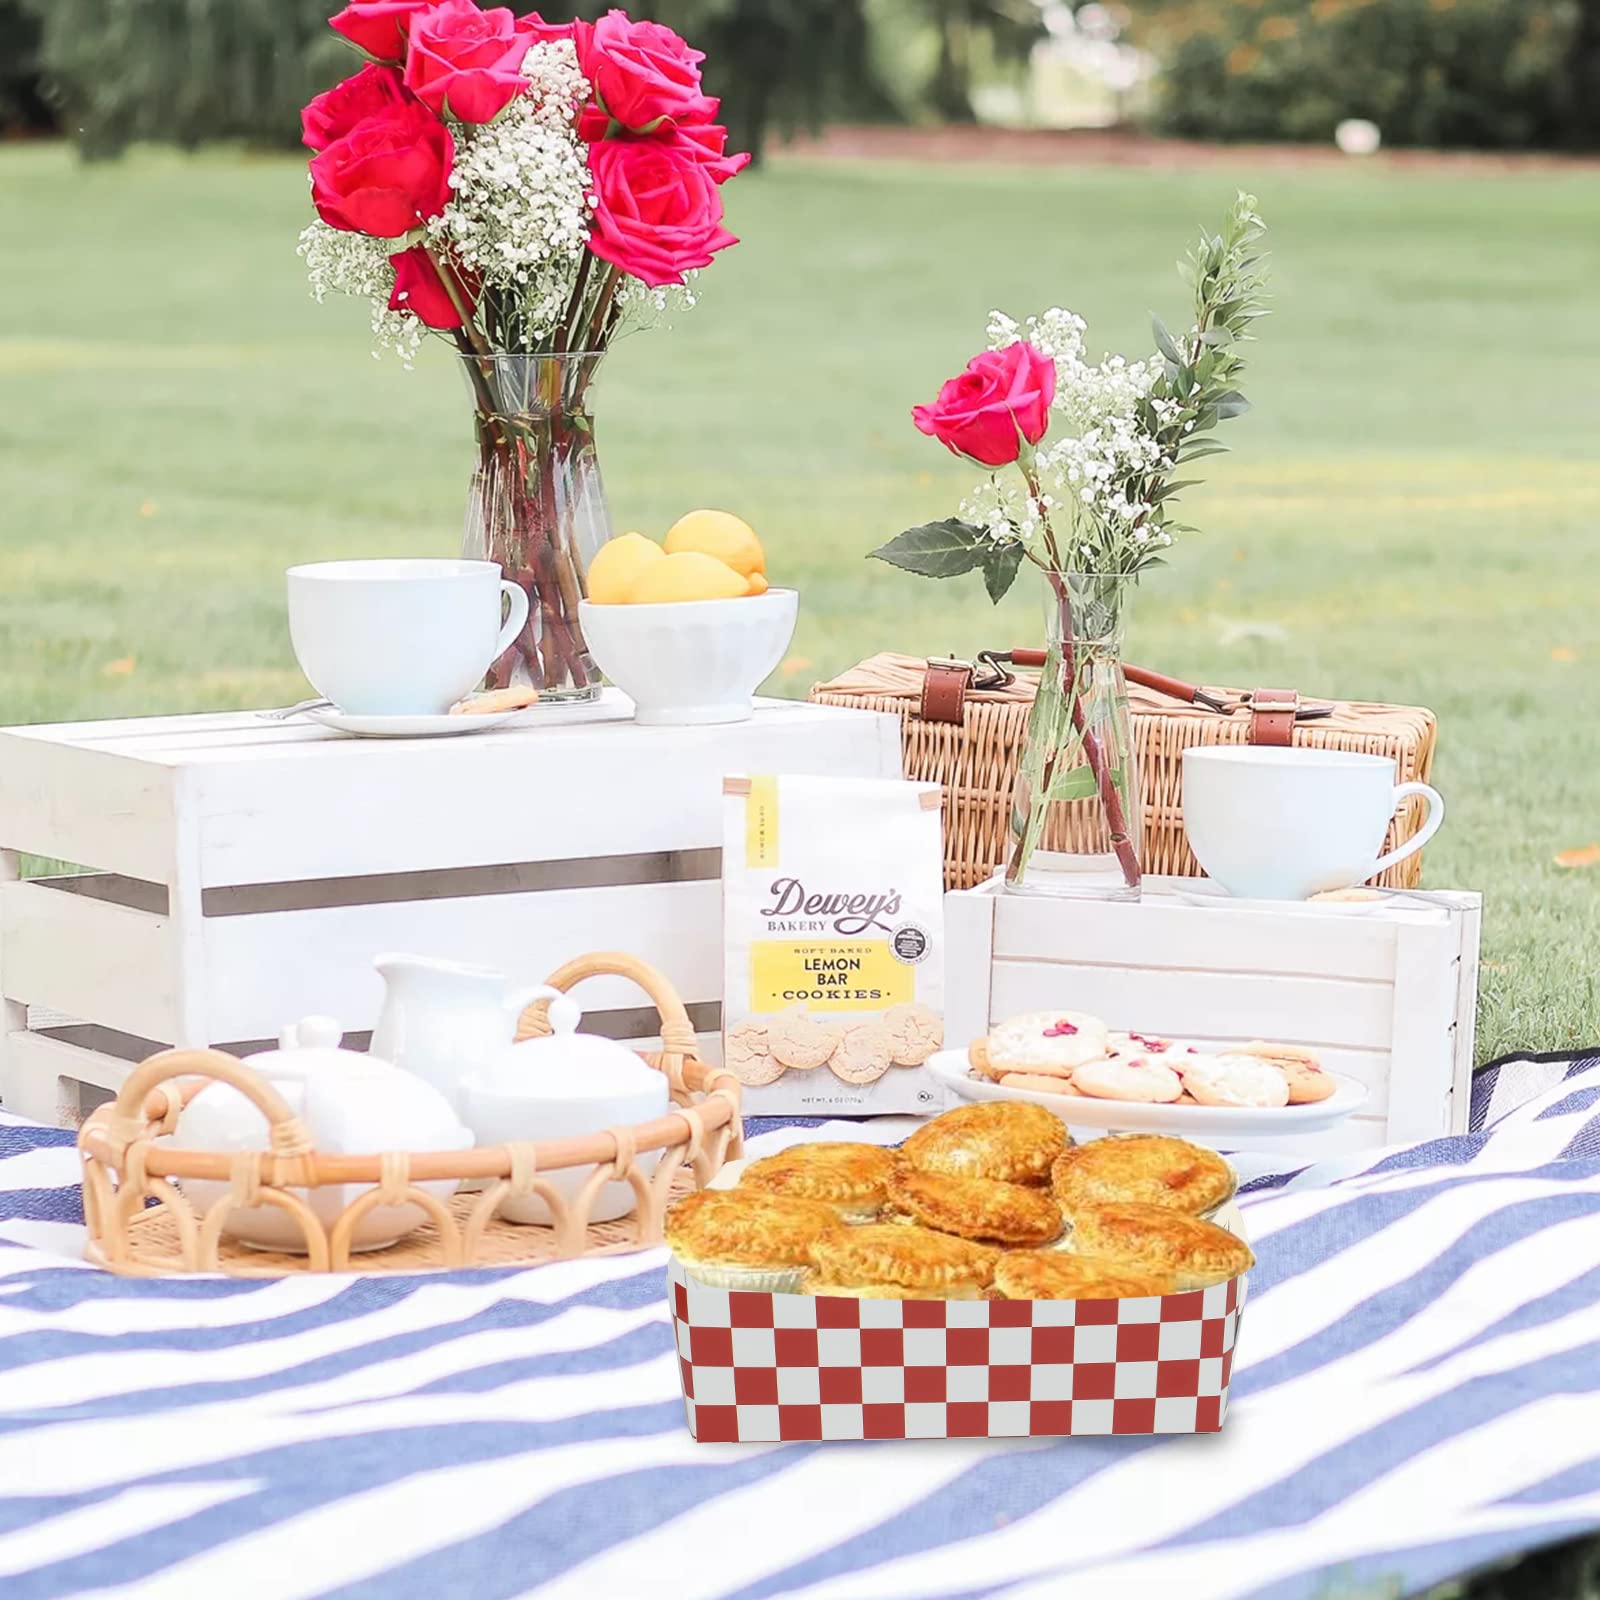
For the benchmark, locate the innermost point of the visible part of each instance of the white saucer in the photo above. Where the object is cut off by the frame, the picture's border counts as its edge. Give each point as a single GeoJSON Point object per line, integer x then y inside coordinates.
{"type": "Point", "coordinates": [1206, 1123]}
{"type": "Point", "coordinates": [413, 727]}
{"type": "Point", "coordinates": [1207, 892]}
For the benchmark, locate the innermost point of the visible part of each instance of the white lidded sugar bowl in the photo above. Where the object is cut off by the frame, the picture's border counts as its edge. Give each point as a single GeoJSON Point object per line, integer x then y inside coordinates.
{"type": "Point", "coordinates": [350, 1104]}
{"type": "Point", "coordinates": [564, 1086]}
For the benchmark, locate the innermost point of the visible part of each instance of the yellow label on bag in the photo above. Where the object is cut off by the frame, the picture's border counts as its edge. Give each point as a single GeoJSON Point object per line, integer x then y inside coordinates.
{"type": "Point", "coordinates": [761, 823]}
{"type": "Point", "coordinates": [827, 975]}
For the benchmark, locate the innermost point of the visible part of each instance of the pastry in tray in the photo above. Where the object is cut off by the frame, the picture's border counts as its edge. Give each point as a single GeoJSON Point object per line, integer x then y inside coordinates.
{"type": "Point", "coordinates": [851, 1176]}
{"type": "Point", "coordinates": [1158, 1239]}
{"type": "Point", "coordinates": [735, 1239]}
{"type": "Point", "coordinates": [1006, 1140]}
{"type": "Point", "coordinates": [904, 1256]}
{"type": "Point", "coordinates": [976, 1208]}
{"type": "Point", "coordinates": [1152, 1168]}
{"type": "Point", "coordinates": [1055, 1275]}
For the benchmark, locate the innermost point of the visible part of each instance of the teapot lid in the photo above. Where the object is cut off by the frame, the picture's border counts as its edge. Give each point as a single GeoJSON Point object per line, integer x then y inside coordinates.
{"type": "Point", "coordinates": [312, 1045]}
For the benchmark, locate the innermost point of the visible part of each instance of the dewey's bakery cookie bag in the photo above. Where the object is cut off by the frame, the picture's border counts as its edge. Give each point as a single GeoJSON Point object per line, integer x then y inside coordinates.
{"type": "Point", "coordinates": [833, 915]}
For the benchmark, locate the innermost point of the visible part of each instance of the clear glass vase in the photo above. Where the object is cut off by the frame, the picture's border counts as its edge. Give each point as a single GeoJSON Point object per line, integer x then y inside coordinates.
{"type": "Point", "coordinates": [1076, 815]}
{"type": "Point", "coordinates": [537, 506]}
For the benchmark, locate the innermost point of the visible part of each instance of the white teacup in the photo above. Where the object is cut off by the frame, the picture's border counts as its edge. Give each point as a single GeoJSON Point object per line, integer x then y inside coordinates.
{"type": "Point", "coordinates": [1285, 824]}
{"type": "Point", "coordinates": [399, 638]}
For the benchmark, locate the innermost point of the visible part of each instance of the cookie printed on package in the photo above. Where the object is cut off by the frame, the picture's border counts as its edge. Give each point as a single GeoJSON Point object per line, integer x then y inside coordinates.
{"type": "Point", "coordinates": [833, 915]}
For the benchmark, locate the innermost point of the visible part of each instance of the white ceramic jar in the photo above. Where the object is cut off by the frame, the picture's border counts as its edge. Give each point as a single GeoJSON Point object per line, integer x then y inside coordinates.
{"type": "Point", "coordinates": [564, 1086]}
{"type": "Point", "coordinates": [351, 1104]}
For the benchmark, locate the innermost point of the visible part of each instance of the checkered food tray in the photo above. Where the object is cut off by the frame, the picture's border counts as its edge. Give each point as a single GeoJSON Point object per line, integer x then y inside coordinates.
{"type": "Point", "coordinates": [763, 1367]}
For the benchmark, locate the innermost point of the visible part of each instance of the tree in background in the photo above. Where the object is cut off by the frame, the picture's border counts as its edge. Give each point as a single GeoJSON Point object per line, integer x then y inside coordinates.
{"type": "Point", "coordinates": [1006, 29]}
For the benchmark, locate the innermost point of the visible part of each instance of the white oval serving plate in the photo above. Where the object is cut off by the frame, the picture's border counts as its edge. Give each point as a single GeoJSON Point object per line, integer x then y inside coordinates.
{"type": "Point", "coordinates": [953, 1070]}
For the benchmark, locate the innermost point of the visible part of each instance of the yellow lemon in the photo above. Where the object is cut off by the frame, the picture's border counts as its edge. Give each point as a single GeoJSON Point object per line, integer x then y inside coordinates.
{"type": "Point", "coordinates": [758, 583]}
{"type": "Point", "coordinates": [687, 575]}
{"type": "Point", "coordinates": [619, 564]}
{"type": "Point", "coordinates": [721, 534]}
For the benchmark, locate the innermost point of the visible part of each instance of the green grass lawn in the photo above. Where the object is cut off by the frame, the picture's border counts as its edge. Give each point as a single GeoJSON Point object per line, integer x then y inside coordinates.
{"type": "Point", "coordinates": [1412, 512]}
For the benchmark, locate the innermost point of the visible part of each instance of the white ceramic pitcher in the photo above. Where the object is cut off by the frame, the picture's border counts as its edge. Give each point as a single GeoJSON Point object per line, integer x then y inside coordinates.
{"type": "Point", "coordinates": [441, 1019]}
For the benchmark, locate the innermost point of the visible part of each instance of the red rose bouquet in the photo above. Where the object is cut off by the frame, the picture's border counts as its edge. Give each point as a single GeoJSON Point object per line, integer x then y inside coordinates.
{"type": "Point", "coordinates": [524, 190]}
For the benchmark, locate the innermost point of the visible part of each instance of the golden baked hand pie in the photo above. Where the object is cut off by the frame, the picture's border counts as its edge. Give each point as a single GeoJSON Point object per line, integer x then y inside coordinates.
{"type": "Point", "coordinates": [1152, 1168]}
{"type": "Point", "coordinates": [976, 1208]}
{"type": "Point", "coordinates": [735, 1239]}
{"type": "Point", "coordinates": [935, 1264]}
{"type": "Point", "coordinates": [1004, 1139]}
{"type": "Point", "coordinates": [1055, 1275]}
{"type": "Point", "coordinates": [851, 1176]}
{"type": "Point", "coordinates": [1159, 1239]}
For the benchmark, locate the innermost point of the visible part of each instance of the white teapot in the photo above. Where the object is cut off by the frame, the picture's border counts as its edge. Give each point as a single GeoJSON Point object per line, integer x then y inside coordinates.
{"type": "Point", "coordinates": [564, 1086]}
{"type": "Point", "coordinates": [351, 1104]}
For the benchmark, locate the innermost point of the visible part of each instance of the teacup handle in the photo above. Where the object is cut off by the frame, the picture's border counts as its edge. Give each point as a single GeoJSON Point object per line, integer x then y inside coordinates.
{"type": "Point", "coordinates": [1430, 824]}
{"type": "Point", "coordinates": [515, 618]}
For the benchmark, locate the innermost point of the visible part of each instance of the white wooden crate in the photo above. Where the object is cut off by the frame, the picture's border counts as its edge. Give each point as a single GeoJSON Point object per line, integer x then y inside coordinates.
{"type": "Point", "coordinates": [1388, 996]}
{"type": "Point", "coordinates": [246, 872]}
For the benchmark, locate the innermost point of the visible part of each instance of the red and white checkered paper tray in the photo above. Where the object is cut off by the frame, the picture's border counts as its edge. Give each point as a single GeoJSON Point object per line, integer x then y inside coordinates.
{"type": "Point", "coordinates": [764, 1367]}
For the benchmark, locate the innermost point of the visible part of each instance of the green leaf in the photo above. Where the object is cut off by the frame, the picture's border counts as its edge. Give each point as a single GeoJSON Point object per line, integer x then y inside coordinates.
{"type": "Point", "coordinates": [1167, 489]}
{"type": "Point", "coordinates": [936, 549]}
{"type": "Point", "coordinates": [1077, 783]}
{"type": "Point", "coordinates": [1231, 404]}
{"type": "Point", "coordinates": [1164, 341]}
{"type": "Point", "coordinates": [1196, 448]}
{"type": "Point", "coordinates": [1000, 563]}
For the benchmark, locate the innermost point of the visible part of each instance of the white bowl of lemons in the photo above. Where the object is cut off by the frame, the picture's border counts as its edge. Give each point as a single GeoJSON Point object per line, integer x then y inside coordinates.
{"type": "Point", "coordinates": [688, 628]}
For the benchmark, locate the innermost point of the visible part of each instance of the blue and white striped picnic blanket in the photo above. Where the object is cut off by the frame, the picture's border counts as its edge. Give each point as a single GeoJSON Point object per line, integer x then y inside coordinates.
{"type": "Point", "coordinates": [1417, 1392]}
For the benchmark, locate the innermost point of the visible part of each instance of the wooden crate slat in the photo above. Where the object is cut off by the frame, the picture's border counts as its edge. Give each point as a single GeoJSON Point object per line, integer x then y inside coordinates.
{"type": "Point", "coordinates": [89, 958]}
{"type": "Point", "coordinates": [1330, 1011]}
{"type": "Point", "coordinates": [267, 970]}
{"type": "Point", "coordinates": [1165, 932]}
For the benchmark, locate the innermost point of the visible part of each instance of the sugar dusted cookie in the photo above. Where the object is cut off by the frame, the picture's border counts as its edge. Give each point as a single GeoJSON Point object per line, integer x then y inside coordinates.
{"type": "Point", "coordinates": [915, 1033]}
{"type": "Point", "coordinates": [1137, 1078]}
{"type": "Point", "coordinates": [862, 1054]}
{"type": "Point", "coordinates": [1300, 1067]}
{"type": "Point", "coordinates": [1047, 1041]}
{"type": "Point", "coordinates": [1037, 1083]}
{"type": "Point", "coordinates": [1235, 1080]}
{"type": "Point", "coordinates": [801, 1041]}
{"type": "Point", "coordinates": [746, 1055]}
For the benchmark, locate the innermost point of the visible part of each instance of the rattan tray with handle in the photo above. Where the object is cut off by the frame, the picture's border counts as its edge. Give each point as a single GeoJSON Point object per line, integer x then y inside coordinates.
{"type": "Point", "coordinates": [141, 1224]}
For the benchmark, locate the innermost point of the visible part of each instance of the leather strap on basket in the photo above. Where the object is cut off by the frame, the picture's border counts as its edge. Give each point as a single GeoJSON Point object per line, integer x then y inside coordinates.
{"type": "Point", "coordinates": [947, 681]}
{"type": "Point", "coordinates": [944, 690]}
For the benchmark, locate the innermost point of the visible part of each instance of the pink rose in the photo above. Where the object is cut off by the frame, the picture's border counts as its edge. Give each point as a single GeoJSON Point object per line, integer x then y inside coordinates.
{"type": "Point", "coordinates": [657, 213]}
{"type": "Point", "coordinates": [466, 61]}
{"type": "Point", "coordinates": [332, 115]}
{"type": "Point", "coordinates": [1002, 398]}
{"type": "Point", "coordinates": [641, 71]}
{"type": "Point", "coordinates": [378, 26]}
{"type": "Point", "coordinates": [702, 141]}
{"type": "Point", "coordinates": [544, 32]}
{"type": "Point", "coordinates": [390, 172]}
{"type": "Point", "coordinates": [419, 289]}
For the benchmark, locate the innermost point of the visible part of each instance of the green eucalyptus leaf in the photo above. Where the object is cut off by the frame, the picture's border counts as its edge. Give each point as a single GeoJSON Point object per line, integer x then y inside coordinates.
{"type": "Point", "coordinates": [1231, 404]}
{"type": "Point", "coordinates": [936, 549]}
{"type": "Point", "coordinates": [1165, 343]}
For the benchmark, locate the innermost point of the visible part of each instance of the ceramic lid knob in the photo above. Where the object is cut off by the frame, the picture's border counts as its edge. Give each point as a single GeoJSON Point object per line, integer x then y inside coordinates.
{"type": "Point", "coordinates": [311, 1033]}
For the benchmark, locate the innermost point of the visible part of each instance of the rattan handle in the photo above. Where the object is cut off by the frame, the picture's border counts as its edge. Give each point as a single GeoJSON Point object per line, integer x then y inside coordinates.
{"type": "Point", "coordinates": [677, 1032]}
{"type": "Point", "coordinates": [287, 1134]}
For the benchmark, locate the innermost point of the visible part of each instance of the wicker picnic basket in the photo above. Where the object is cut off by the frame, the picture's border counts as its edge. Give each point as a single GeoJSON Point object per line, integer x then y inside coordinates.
{"type": "Point", "coordinates": [141, 1224]}
{"type": "Point", "coordinates": [970, 739]}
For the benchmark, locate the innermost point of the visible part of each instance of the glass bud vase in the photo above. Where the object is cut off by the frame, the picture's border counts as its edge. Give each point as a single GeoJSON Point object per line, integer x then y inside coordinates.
{"type": "Point", "coordinates": [1076, 814]}
{"type": "Point", "coordinates": [537, 507]}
